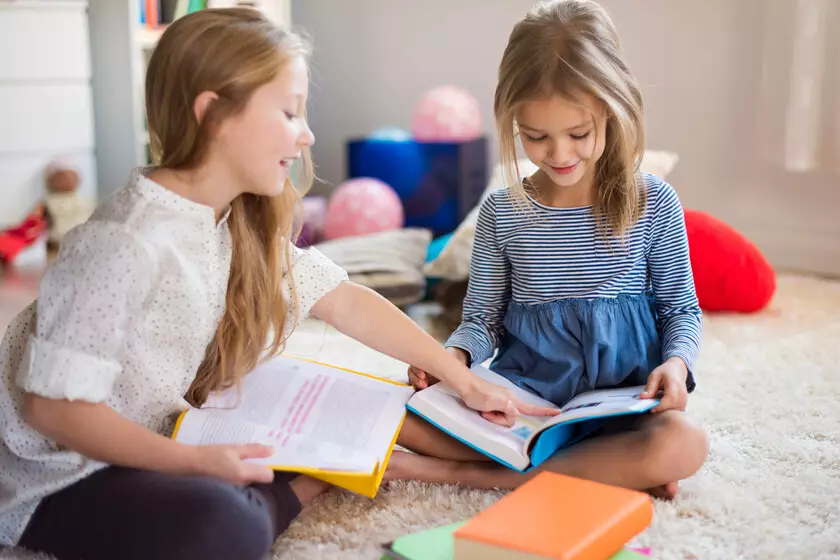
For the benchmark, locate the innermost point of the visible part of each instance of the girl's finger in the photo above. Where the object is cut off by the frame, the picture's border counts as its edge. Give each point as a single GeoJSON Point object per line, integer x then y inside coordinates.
{"type": "Point", "coordinates": [498, 418]}
{"type": "Point", "coordinates": [652, 386]}
{"type": "Point", "coordinates": [669, 399]}
{"type": "Point", "coordinates": [534, 410]}
{"type": "Point", "coordinates": [259, 473]}
{"type": "Point", "coordinates": [415, 380]}
{"type": "Point", "coordinates": [254, 451]}
{"type": "Point", "coordinates": [679, 394]}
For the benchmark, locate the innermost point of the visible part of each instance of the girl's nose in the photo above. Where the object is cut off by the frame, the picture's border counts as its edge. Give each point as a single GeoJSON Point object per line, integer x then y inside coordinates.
{"type": "Point", "coordinates": [307, 138]}
{"type": "Point", "coordinates": [561, 152]}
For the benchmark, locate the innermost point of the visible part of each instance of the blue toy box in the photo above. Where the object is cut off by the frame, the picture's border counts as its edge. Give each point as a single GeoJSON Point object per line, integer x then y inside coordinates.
{"type": "Point", "coordinates": [438, 182]}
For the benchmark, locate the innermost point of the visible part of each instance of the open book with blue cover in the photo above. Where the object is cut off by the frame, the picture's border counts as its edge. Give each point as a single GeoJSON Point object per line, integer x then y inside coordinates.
{"type": "Point", "coordinates": [531, 440]}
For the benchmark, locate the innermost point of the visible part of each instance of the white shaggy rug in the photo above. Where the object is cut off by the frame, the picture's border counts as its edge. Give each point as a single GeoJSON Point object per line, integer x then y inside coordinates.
{"type": "Point", "coordinates": [769, 393]}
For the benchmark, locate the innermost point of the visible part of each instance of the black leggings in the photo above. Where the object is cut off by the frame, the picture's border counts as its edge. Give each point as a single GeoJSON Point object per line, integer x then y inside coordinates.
{"type": "Point", "coordinates": [120, 513]}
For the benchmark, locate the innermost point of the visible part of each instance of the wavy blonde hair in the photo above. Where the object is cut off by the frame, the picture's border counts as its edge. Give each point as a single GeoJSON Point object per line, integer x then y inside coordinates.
{"type": "Point", "coordinates": [569, 48]}
{"type": "Point", "coordinates": [231, 52]}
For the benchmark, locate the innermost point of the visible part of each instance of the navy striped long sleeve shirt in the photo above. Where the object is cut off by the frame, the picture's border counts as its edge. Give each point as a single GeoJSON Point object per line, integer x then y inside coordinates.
{"type": "Point", "coordinates": [557, 253]}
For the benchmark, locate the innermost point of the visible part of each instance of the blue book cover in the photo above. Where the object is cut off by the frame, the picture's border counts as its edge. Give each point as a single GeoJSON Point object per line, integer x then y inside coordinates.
{"type": "Point", "coordinates": [531, 440]}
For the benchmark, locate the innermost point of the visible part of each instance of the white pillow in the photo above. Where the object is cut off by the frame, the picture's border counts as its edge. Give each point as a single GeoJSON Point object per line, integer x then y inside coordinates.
{"type": "Point", "coordinates": [453, 263]}
{"type": "Point", "coordinates": [389, 262]}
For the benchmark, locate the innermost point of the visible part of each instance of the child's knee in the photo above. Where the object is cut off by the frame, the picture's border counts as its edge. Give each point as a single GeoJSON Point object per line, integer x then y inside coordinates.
{"type": "Point", "coordinates": [679, 445]}
{"type": "Point", "coordinates": [226, 522]}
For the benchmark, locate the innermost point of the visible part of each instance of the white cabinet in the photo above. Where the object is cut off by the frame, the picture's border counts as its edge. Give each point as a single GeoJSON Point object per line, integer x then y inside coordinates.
{"type": "Point", "coordinates": [46, 101]}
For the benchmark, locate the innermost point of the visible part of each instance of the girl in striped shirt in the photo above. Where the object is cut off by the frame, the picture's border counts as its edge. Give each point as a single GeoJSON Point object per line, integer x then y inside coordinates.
{"type": "Point", "coordinates": [580, 276]}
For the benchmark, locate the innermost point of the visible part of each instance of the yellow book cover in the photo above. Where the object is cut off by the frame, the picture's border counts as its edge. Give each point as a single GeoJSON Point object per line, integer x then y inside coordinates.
{"type": "Point", "coordinates": [330, 423]}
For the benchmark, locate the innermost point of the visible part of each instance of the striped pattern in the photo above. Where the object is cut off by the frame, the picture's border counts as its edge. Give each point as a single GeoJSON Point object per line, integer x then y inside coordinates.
{"type": "Point", "coordinates": [556, 253]}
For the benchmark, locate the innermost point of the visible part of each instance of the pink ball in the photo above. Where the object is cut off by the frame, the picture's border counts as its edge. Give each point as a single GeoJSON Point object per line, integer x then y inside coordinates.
{"type": "Point", "coordinates": [446, 114]}
{"type": "Point", "coordinates": [361, 206]}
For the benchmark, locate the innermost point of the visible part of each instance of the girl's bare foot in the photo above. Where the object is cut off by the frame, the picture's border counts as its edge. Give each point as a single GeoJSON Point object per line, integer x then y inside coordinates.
{"type": "Point", "coordinates": [472, 474]}
{"type": "Point", "coordinates": [665, 492]}
{"type": "Point", "coordinates": [307, 488]}
{"type": "Point", "coordinates": [404, 465]}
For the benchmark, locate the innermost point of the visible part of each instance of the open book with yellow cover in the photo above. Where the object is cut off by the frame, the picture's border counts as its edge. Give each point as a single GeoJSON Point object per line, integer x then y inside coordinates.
{"type": "Point", "coordinates": [332, 424]}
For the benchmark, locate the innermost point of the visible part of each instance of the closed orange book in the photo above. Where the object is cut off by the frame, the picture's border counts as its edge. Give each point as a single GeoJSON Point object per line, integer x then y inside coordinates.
{"type": "Point", "coordinates": [556, 516]}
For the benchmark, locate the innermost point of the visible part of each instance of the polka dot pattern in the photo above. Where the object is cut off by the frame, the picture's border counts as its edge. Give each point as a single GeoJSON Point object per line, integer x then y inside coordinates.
{"type": "Point", "coordinates": [123, 317]}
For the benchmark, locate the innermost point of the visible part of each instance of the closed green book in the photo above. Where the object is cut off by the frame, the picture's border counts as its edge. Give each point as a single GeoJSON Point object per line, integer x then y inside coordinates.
{"type": "Point", "coordinates": [431, 544]}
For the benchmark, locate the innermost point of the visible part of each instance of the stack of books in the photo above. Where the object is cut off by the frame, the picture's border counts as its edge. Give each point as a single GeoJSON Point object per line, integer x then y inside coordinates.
{"type": "Point", "coordinates": [551, 516]}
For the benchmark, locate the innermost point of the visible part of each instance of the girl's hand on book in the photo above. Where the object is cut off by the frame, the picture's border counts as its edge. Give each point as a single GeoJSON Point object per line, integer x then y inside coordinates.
{"type": "Point", "coordinates": [669, 379]}
{"type": "Point", "coordinates": [227, 462]}
{"type": "Point", "coordinates": [499, 405]}
{"type": "Point", "coordinates": [420, 379]}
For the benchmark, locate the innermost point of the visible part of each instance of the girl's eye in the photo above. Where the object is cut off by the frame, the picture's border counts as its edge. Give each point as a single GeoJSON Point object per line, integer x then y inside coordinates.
{"type": "Point", "coordinates": [581, 136]}
{"type": "Point", "coordinates": [535, 139]}
{"type": "Point", "coordinates": [290, 116]}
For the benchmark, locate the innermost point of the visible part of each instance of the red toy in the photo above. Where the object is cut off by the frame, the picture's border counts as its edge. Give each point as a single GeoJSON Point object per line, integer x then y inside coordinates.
{"type": "Point", "coordinates": [18, 238]}
{"type": "Point", "coordinates": [730, 273]}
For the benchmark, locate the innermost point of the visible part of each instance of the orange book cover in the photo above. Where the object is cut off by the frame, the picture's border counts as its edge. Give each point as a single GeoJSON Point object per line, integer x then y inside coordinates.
{"type": "Point", "coordinates": [557, 516]}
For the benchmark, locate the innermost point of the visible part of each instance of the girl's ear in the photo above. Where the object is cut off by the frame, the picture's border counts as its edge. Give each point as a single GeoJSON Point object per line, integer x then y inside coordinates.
{"type": "Point", "coordinates": [202, 103]}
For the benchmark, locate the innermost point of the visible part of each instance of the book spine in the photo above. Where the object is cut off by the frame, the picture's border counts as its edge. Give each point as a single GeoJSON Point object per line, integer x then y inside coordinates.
{"type": "Point", "coordinates": [152, 13]}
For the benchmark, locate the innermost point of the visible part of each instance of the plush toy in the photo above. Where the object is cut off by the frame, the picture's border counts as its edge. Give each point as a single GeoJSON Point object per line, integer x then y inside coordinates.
{"type": "Point", "coordinates": [65, 207]}
{"type": "Point", "coordinates": [14, 240]}
{"type": "Point", "coordinates": [730, 273]}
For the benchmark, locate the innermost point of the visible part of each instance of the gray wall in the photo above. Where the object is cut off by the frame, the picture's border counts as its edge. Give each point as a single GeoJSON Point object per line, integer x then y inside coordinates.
{"type": "Point", "coordinates": [374, 58]}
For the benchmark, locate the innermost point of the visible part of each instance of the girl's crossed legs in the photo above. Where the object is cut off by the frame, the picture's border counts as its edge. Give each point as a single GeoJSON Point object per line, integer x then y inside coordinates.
{"type": "Point", "coordinates": [652, 452]}
{"type": "Point", "coordinates": [129, 513]}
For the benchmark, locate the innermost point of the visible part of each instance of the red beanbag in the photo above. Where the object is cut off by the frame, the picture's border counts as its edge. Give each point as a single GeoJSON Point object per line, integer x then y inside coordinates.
{"type": "Point", "coordinates": [730, 273]}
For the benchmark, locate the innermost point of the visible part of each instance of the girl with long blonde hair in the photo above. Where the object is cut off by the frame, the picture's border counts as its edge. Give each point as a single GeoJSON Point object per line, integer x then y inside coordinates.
{"type": "Point", "coordinates": [580, 276]}
{"type": "Point", "coordinates": [176, 287]}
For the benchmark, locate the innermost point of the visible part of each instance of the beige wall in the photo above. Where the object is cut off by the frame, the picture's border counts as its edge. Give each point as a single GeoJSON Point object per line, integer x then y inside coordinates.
{"type": "Point", "coordinates": [698, 62]}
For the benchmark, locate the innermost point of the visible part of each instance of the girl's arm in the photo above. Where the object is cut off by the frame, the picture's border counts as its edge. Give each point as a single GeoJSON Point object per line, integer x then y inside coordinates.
{"type": "Point", "coordinates": [672, 281]}
{"type": "Point", "coordinates": [364, 315]}
{"type": "Point", "coordinates": [488, 292]}
{"type": "Point", "coordinates": [100, 433]}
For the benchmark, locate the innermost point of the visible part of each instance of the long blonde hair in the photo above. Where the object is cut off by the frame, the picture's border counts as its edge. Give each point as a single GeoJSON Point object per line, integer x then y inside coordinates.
{"type": "Point", "coordinates": [569, 48]}
{"type": "Point", "coordinates": [231, 52]}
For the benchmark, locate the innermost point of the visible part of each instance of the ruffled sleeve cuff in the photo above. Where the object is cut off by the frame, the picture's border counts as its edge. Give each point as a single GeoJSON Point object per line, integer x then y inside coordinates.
{"type": "Point", "coordinates": [58, 372]}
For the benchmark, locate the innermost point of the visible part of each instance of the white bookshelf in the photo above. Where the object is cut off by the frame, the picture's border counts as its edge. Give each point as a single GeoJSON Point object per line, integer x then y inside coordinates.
{"type": "Point", "coordinates": [120, 49]}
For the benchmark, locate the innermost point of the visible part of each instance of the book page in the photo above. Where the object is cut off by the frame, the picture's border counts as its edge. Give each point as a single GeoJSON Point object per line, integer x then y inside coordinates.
{"type": "Point", "coordinates": [444, 407]}
{"type": "Point", "coordinates": [300, 399]}
{"type": "Point", "coordinates": [208, 427]}
{"type": "Point", "coordinates": [603, 402]}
